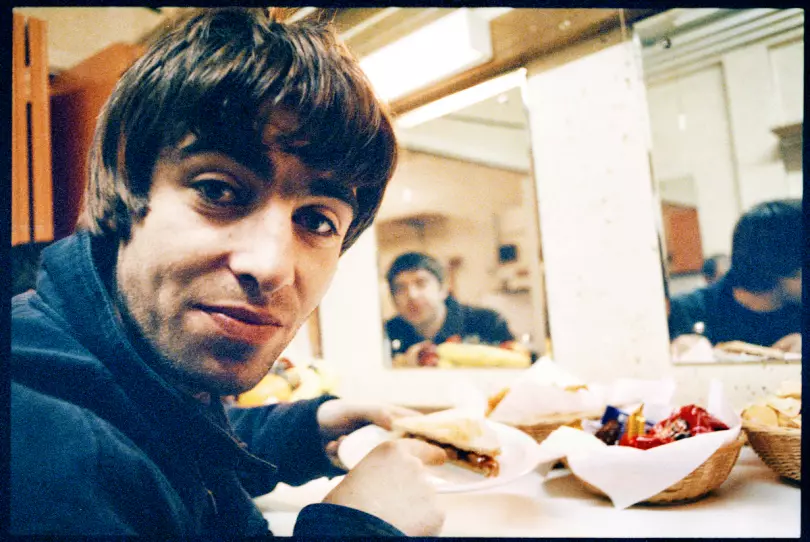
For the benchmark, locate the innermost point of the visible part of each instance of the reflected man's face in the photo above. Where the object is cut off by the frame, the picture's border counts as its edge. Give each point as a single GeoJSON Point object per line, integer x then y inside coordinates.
{"type": "Point", "coordinates": [418, 296]}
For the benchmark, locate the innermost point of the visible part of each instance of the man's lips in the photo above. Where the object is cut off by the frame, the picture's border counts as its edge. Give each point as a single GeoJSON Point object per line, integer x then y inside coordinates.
{"type": "Point", "coordinates": [243, 324]}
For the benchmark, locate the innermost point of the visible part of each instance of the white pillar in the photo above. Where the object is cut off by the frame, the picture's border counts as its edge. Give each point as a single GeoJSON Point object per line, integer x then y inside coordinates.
{"type": "Point", "coordinates": [590, 140]}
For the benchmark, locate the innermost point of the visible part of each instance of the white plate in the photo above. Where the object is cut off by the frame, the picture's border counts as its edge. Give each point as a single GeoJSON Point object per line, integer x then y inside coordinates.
{"type": "Point", "coordinates": [518, 456]}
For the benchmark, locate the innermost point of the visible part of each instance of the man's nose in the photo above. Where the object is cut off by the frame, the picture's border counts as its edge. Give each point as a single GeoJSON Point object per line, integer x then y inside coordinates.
{"type": "Point", "coordinates": [413, 291]}
{"type": "Point", "coordinates": [264, 255]}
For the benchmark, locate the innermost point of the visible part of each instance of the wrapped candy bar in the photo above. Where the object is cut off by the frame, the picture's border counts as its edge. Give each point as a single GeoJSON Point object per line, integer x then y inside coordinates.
{"type": "Point", "coordinates": [688, 421]}
{"type": "Point", "coordinates": [618, 424]}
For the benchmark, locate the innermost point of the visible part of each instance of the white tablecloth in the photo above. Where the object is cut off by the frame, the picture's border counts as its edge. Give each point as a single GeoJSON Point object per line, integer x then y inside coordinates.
{"type": "Point", "coordinates": [753, 502]}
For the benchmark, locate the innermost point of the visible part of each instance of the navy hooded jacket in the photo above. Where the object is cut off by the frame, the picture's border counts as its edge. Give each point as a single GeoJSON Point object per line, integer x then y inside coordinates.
{"type": "Point", "coordinates": [101, 444]}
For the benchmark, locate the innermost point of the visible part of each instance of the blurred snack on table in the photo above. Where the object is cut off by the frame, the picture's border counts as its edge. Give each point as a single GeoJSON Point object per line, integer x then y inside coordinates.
{"type": "Point", "coordinates": [454, 353]}
{"type": "Point", "coordinates": [773, 426]}
{"type": "Point", "coordinates": [287, 381]}
{"type": "Point", "coordinates": [270, 389]}
{"type": "Point", "coordinates": [484, 355]}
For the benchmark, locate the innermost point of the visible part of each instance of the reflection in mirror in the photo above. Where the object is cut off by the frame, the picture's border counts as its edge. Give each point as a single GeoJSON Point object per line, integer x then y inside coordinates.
{"type": "Point", "coordinates": [460, 276]}
{"type": "Point", "coordinates": [725, 94]}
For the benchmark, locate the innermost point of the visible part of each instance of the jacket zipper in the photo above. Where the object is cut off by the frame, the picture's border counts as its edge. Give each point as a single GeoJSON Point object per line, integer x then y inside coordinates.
{"type": "Point", "coordinates": [213, 501]}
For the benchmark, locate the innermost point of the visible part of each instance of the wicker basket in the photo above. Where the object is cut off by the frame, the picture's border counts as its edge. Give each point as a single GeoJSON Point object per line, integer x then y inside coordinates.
{"type": "Point", "coordinates": [779, 447]}
{"type": "Point", "coordinates": [707, 477]}
{"type": "Point", "coordinates": [543, 428]}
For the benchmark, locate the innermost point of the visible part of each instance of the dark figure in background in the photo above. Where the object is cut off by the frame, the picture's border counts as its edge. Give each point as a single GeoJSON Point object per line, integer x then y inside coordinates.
{"type": "Point", "coordinates": [427, 312]}
{"type": "Point", "coordinates": [759, 300]}
{"type": "Point", "coordinates": [715, 267]}
{"type": "Point", "coordinates": [233, 164]}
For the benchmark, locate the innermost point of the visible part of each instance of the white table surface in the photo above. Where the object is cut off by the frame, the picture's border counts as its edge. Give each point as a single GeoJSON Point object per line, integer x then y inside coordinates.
{"type": "Point", "coordinates": [753, 502]}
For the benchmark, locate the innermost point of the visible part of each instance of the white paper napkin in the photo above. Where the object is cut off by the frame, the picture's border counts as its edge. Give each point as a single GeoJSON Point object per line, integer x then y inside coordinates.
{"type": "Point", "coordinates": [539, 393]}
{"type": "Point", "coordinates": [629, 475]}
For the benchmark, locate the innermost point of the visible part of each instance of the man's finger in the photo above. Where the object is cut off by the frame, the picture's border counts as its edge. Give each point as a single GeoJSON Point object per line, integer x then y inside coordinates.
{"type": "Point", "coordinates": [426, 453]}
{"type": "Point", "coordinates": [385, 416]}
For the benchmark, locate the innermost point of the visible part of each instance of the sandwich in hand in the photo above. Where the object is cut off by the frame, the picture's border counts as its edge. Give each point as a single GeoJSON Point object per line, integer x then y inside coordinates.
{"type": "Point", "coordinates": [469, 442]}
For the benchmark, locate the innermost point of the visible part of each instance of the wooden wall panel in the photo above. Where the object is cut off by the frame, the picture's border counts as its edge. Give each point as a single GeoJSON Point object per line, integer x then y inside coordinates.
{"type": "Point", "coordinates": [32, 186]}
{"type": "Point", "coordinates": [41, 132]}
{"type": "Point", "coordinates": [20, 193]}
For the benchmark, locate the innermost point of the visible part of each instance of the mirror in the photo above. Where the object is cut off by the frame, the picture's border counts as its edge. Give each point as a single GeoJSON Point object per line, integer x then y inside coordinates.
{"type": "Point", "coordinates": [725, 95]}
{"type": "Point", "coordinates": [462, 204]}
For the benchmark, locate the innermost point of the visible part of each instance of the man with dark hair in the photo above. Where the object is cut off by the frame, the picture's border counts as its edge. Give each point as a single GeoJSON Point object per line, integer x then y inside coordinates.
{"type": "Point", "coordinates": [427, 312]}
{"type": "Point", "coordinates": [759, 300]}
{"type": "Point", "coordinates": [233, 164]}
{"type": "Point", "coordinates": [715, 267]}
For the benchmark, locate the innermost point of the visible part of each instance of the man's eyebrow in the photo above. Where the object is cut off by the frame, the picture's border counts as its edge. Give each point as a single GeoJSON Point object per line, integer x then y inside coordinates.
{"type": "Point", "coordinates": [335, 189]}
{"type": "Point", "coordinates": [254, 161]}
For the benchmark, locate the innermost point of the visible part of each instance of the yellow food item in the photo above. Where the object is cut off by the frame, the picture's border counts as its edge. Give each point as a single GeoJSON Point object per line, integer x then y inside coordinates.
{"type": "Point", "coordinates": [270, 389]}
{"type": "Point", "coordinates": [760, 414]}
{"type": "Point", "coordinates": [576, 387]}
{"type": "Point", "coordinates": [788, 406]}
{"type": "Point", "coordinates": [495, 400]}
{"type": "Point", "coordinates": [310, 387]}
{"type": "Point", "coordinates": [787, 421]}
{"type": "Point", "coordinates": [790, 388]}
{"type": "Point", "coordinates": [782, 410]}
{"type": "Point", "coordinates": [482, 355]}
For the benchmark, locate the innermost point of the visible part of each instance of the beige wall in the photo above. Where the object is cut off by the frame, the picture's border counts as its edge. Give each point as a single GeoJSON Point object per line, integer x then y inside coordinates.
{"type": "Point", "coordinates": [712, 141]}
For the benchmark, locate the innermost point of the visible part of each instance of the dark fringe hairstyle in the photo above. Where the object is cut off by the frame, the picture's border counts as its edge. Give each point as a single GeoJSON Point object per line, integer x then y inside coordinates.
{"type": "Point", "coordinates": [414, 260]}
{"type": "Point", "coordinates": [219, 75]}
{"type": "Point", "coordinates": [767, 245]}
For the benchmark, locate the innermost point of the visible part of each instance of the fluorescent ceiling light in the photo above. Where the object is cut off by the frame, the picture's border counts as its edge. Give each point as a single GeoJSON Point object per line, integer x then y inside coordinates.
{"type": "Point", "coordinates": [448, 46]}
{"type": "Point", "coordinates": [460, 100]}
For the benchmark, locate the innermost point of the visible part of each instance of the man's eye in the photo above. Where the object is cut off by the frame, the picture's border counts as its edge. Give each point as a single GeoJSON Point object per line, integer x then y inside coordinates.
{"type": "Point", "coordinates": [219, 192]}
{"type": "Point", "coordinates": [316, 222]}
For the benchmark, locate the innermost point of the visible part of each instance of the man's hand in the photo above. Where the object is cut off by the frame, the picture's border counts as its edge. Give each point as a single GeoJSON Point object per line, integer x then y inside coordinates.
{"type": "Point", "coordinates": [790, 343]}
{"type": "Point", "coordinates": [339, 417]}
{"type": "Point", "coordinates": [391, 483]}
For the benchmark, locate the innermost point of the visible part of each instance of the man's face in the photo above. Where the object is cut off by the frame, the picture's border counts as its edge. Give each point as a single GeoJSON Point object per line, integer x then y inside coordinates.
{"type": "Point", "coordinates": [791, 287]}
{"type": "Point", "coordinates": [418, 296]}
{"type": "Point", "coordinates": [230, 261]}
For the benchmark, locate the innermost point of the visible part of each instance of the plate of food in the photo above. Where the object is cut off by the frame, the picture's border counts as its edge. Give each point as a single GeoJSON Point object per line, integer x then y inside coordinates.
{"type": "Point", "coordinates": [481, 453]}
